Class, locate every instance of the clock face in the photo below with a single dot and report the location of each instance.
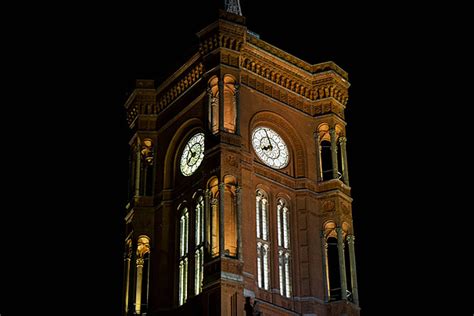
(193, 154)
(270, 147)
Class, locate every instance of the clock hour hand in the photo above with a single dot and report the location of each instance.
(193, 154)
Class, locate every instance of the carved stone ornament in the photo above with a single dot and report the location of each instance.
(328, 206)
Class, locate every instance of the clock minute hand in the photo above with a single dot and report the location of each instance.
(190, 156)
(269, 142)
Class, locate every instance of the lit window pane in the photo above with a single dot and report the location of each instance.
(258, 217)
(285, 228)
(279, 223)
(264, 220)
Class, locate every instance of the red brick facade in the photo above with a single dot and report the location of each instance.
(250, 84)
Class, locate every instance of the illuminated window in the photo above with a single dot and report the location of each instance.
(199, 239)
(183, 256)
(263, 245)
(283, 226)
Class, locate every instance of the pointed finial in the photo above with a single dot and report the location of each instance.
(233, 6)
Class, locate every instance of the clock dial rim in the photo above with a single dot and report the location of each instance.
(188, 163)
(270, 147)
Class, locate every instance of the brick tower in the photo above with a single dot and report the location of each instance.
(239, 197)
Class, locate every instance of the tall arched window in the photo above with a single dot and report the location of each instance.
(183, 255)
(333, 269)
(263, 243)
(213, 110)
(326, 160)
(230, 111)
(284, 256)
(199, 239)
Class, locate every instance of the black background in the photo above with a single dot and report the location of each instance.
(66, 144)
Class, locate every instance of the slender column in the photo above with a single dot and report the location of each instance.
(237, 109)
(352, 260)
(221, 105)
(138, 293)
(319, 168)
(209, 108)
(130, 177)
(332, 132)
(207, 220)
(345, 171)
(138, 170)
(128, 257)
(153, 176)
(238, 193)
(342, 263)
(221, 218)
(324, 252)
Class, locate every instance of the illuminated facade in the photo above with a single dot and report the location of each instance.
(239, 187)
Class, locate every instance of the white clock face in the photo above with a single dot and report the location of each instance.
(270, 147)
(193, 154)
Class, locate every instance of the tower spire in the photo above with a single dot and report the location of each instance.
(233, 6)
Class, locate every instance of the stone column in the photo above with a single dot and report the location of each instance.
(345, 171)
(209, 108)
(128, 258)
(238, 193)
(319, 167)
(221, 105)
(138, 292)
(237, 109)
(221, 218)
(342, 263)
(332, 132)
(324, 253)
(207, 220)
(352, 260)
(138, 169)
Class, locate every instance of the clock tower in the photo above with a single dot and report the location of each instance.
(239, 196)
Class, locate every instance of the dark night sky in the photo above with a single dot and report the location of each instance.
(393, 147)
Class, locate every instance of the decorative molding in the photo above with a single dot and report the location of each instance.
(313, 69)
(174, 91)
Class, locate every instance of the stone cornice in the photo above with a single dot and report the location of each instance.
(324, 84)
(314, 108)
(178, 73)
(313, 69)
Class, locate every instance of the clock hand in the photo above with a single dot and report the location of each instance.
(269, 142)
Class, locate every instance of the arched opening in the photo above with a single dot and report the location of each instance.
(333, 269)
(284, 254)
(326, 160)
(199, 243)
(230, 216)
(263, 240)
(230, 102)
(183, 255)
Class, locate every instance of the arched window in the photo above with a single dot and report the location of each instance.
(230, 111)
(213, 111)
(183, 255)
(284, 256)
(199, 239)
(326, 160)
(333, 269)
(263, 244)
